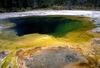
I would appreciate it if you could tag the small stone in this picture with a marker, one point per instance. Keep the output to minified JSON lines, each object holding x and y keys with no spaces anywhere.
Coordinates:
{"x":96,"y":41}
{"x":96,"y":30}
{"x":3,"y":54}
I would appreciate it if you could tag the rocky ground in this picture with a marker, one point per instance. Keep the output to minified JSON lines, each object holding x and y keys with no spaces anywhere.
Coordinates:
{"x":96,"y":19}
{"x":58,"y":57}
{"x":55,"y":57}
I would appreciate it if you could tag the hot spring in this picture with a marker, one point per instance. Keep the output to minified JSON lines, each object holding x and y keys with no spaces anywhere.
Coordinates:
{"x":52,"y":25}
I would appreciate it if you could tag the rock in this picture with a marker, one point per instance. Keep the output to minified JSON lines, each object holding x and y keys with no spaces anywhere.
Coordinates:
{"x":96,"y":41}
{"x":3,"y":54}
{"x":2,"y":27}
{"x":96,"y":30}
{"x":56,"y":57}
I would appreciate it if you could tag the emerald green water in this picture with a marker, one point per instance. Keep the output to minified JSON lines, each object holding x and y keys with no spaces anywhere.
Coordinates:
{"x":52,"y":25}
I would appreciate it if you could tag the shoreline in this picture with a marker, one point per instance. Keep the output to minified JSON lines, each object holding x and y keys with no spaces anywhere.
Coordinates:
{"x":50,"y":12}
{"x":94,"y":15}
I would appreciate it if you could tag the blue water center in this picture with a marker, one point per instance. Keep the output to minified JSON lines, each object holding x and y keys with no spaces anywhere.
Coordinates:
{"x":53,"y":25}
